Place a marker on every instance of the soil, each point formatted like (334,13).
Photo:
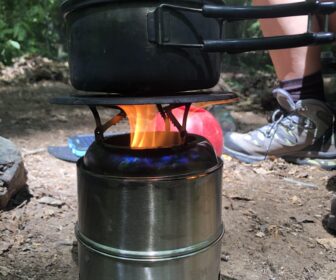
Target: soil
(274,212)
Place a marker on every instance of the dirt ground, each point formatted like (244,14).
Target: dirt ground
(273,211)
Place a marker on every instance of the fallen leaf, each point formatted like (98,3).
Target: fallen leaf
(261,171)
(51,201)
(327,243)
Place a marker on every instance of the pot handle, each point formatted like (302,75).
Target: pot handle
(257,12)
(268,43)
(156,26)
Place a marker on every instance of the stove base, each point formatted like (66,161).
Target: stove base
(203,265)
(149,214)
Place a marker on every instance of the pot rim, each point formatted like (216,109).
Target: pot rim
(68,6)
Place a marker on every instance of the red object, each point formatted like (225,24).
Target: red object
(200,122)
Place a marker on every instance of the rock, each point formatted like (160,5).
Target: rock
(4,271)
(296,200)
(13,175)
(225,258)
(260,234)
(301,183)
(303,219)
(5,246)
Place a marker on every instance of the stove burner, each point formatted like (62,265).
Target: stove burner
(189,159)
(170,98)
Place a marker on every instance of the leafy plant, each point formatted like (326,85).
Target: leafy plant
(28,26)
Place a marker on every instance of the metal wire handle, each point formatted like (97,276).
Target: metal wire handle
(158,34)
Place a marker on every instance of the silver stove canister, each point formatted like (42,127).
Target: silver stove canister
(149,214)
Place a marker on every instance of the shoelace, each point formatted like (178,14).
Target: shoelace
(277,117)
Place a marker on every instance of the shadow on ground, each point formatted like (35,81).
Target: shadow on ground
(331,185)
(223,277)
(20,199)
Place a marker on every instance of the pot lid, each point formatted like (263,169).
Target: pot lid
(68,6)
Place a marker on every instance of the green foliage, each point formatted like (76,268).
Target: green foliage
(29,26)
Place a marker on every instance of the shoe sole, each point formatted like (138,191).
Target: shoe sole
(243,157)
(326,164)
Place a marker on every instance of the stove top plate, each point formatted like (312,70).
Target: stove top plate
(170,98)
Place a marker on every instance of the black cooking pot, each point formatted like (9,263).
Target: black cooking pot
(161,46)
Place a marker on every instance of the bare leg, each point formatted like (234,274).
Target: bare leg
(332,22)
(290,63)
(301,98)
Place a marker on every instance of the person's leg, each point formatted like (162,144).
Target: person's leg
(290,63)
(297,69)
(332,22)
(303,128)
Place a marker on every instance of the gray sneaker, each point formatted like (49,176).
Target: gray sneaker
(322,153)
(298,132)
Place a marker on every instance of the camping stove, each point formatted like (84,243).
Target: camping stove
(155,213)
(148,214)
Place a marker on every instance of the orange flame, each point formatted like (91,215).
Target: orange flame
(144,131)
